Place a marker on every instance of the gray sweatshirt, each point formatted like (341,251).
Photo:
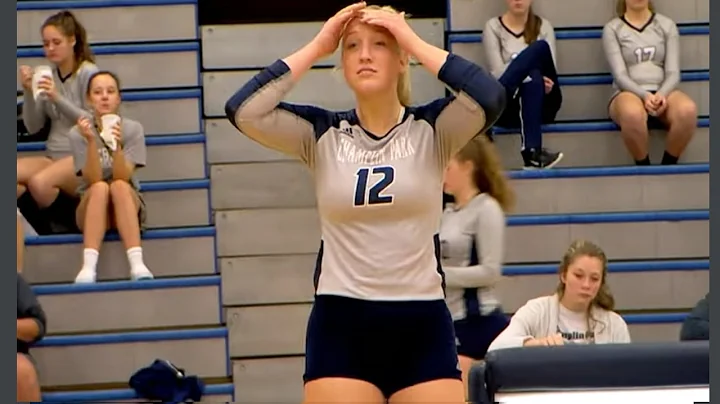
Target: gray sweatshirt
(545,316)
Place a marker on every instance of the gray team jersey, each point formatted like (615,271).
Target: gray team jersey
(472,241)
(70,105)
(379,198)
(133,136)
(644,58)
(502,45)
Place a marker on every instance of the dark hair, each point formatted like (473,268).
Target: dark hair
(532,27)
(488,174)
(102,73)
(66,22)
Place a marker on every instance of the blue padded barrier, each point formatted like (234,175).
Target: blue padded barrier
(614,217)
(655,318)
(127,337)
(573,127)
(701,168)
(75,4)
(152,234)
(151,140)
(119,286)
(614,267)
(572,33)
(180,46)
(96,396)
(593,367)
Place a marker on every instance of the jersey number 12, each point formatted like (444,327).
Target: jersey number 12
(372,195)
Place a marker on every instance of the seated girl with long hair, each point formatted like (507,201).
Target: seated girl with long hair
(109,190)
(61,102)
(579,312)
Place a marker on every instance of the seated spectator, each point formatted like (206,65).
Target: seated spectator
(109,190)
(697,324)
(580,311)
(472,241)
(61,102)
(31,326)
(520,49)
(643,50)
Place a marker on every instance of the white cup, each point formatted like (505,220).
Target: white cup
(39,73)
(108,121)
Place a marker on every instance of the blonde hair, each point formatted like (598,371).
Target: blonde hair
(582,248)
(488,173)
(403,85)
(621,6)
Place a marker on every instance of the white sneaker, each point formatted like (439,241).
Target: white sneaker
(141,273)
(86,275)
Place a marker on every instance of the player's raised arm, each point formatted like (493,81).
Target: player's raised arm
(256,108)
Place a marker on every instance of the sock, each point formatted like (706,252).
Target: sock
(138,270)
(88,272)
(643,162)
(668,159)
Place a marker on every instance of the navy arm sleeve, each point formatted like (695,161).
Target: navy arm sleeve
(258,112)
(476,103)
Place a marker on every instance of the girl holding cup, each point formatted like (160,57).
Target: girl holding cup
(56,94)
(106,151)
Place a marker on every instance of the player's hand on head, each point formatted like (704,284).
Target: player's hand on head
(395,23)
(328,39)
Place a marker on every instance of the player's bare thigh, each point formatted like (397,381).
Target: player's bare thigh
(337,390)
(466,364)
(627,108)
(446,391)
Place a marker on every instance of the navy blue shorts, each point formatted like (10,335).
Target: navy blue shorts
(392,345)
(476,333)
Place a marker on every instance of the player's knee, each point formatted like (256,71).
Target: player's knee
(100,188)
(687,111)
(119,188)
(632,118)
(38,184)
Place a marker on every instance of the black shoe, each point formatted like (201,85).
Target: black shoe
(540,159)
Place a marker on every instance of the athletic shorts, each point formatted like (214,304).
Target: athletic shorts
(476,333)
(392,345)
